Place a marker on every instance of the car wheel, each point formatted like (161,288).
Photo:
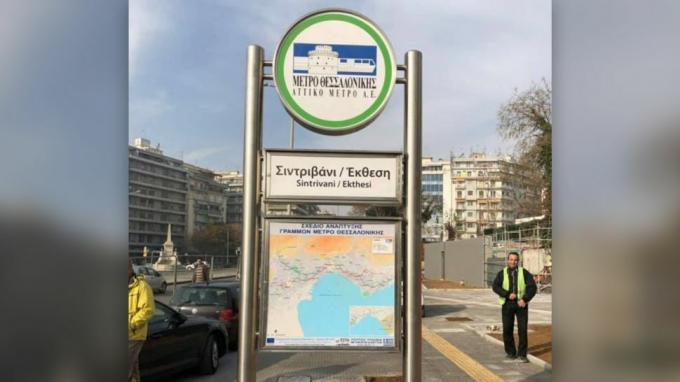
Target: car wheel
(211,357)
(164,287)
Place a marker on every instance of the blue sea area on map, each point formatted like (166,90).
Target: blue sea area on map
(327,313)
(368,326)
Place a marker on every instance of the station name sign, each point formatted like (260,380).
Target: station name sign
(333,176)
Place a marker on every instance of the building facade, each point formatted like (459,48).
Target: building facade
(157,197)
(489,192)
(233,191)
(436,187)
(166,191)
(206,199)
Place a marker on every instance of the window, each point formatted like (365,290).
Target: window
(202,296)
(459,194)
(160,315)
(469,193)
(469,214)
(470,204)
(481,194)
(469,173)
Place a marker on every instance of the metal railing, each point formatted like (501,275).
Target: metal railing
(174,269)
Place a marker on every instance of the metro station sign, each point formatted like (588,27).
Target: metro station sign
(333,176)
(334,71)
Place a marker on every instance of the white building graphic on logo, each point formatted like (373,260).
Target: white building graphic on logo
(323,60)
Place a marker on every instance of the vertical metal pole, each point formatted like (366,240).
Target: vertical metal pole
(174,285)
(443,272)
(212,265)
(521,246)
(292,146)
(253,132)
(443,256)
(413,283)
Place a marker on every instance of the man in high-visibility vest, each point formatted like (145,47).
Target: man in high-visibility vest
(516,287)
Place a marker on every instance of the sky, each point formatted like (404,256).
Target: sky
(187,72)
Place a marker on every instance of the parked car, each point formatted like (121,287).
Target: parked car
(176,342)
(151,276)
(218,300)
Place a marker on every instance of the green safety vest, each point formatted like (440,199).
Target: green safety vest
(521,286)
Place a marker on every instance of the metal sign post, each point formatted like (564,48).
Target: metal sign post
(252,144)
(308,72)
(413,125)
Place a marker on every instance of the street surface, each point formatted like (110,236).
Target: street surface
(452,350)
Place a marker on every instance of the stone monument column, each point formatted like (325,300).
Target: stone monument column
(167,261)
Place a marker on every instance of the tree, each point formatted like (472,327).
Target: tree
(212,240)
(527,119)
(429,206)
(452,225)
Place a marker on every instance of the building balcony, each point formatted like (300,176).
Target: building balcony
(154,197)
(157,221)
(155,233)
(159,210)
(157,175)
(163,163)
(158,186)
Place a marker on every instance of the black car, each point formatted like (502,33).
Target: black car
(218,300)
(176,342)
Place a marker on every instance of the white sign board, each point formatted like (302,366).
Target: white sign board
(331,284)
(334,71)
(333,176)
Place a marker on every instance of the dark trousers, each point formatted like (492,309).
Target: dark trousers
(509,311)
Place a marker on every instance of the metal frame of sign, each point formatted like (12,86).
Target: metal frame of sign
(396,201)
(254,212)
(264,287)
(385,94)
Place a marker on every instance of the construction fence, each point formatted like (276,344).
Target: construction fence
(476,262)
(534,244)
(459,261)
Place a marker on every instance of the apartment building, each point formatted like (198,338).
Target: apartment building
(489,192)
(233,183)
(157,197)
(436,187)
(167,191)
(206,199)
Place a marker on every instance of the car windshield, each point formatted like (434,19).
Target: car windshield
(200,296)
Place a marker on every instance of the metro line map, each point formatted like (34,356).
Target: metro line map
(331,285)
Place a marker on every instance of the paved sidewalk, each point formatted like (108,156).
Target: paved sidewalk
(463,355)
(482,309)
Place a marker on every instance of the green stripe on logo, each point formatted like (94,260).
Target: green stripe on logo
(324,123)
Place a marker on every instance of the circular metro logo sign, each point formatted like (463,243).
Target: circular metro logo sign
(334,71)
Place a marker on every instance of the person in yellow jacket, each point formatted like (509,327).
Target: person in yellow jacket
(140,310)
(516,287)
